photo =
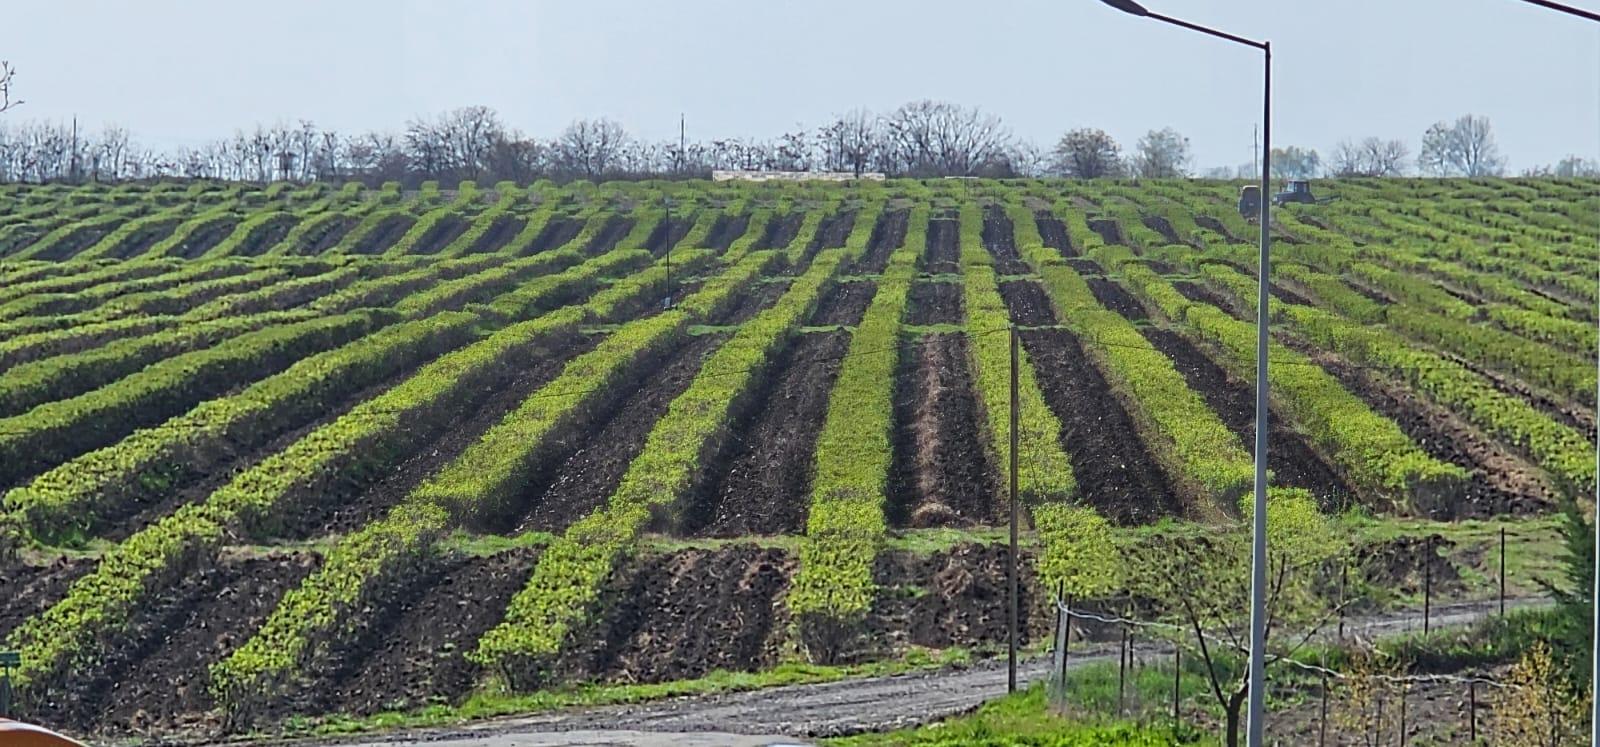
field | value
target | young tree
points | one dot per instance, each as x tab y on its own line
1204	585
1295	162
1162	154
1088	153
1465	148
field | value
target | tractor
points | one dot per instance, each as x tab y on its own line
1294	190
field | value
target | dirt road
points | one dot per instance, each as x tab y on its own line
821	710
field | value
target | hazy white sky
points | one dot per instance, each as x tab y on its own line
178	72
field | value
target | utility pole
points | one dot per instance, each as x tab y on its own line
73	176
683	142
1011	557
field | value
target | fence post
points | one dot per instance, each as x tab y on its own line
1177	687
1502	571
1322	722
1427	586
1122	668
1066	640
1405	687
1344	577
1472	709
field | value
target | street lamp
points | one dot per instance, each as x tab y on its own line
1594	592
1258	552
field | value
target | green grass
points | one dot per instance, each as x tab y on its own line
1025	719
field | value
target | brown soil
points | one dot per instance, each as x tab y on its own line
265	237
383	236
203	240
1055	235
1292	460
1437	712
1028	303
1371	294
198	621
781	231
666	235
1201	294
688	613
726	230
1000	240
586	478
939	474
1499	483
32	588
831	232
952	598
943	253
415	654
934	303
1289	295
1086	267
1208	222
448	229
888	234
1161	225
1113	296
143	239
1116	474
449	436
330	236
499	234
845	305
552	235
608	236
763	294
77	241
1109	229
1402	565
766	485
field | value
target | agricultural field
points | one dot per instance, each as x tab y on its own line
279	453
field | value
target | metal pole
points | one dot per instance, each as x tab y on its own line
1011	558
1404	688
1122	669
1258	552
1177	687
1344	577
667	201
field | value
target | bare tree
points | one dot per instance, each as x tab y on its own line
1162	154
7	72
933	138
1571	167
1370	157
852	142
589	147
1088	154
1465	148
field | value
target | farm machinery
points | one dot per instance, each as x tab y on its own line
1294	190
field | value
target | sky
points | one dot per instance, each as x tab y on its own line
179	72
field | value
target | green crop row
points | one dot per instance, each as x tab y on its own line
145	468
1044	475
51	242
1559	449
560	596
1192	444
55	304
322	609
248	232
90	275
1370	448
178	243
59	430
507	194
111	245
846	524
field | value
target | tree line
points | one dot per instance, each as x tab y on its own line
918	139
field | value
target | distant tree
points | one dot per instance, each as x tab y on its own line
1370	157
1295	162
7	72
1088	154
1571	167
1218	172
1465	148
852	142
1162	154
935	138
590	147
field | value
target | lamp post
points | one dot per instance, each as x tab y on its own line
1258	551
1594	592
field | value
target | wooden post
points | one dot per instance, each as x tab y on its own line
1472	709
1427	587
1177	687
1322	721
1011	558
1122	668
1502	571
1344	578
1404	688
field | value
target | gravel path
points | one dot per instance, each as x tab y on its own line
814	711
